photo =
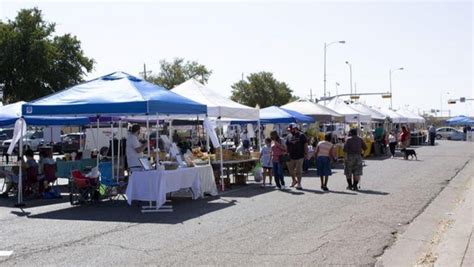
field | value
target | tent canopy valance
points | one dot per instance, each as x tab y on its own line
11	112
314	110
115	93
217	105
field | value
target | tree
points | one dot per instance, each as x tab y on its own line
33	63
262	89
177	72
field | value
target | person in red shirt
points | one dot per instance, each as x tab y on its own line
404	137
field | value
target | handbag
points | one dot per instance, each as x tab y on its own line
284	158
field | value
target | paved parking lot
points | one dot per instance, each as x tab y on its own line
249	225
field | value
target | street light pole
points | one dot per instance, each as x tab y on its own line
325	48
390	79
441	107
350	74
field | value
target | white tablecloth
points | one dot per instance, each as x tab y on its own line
153	185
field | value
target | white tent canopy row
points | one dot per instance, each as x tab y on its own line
402	116
374	113
351	115
314	110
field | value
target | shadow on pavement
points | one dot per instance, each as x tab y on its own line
120	211
372	192
341	192
31	203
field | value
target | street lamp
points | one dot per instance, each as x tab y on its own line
337	85
325	48
390	78
350	73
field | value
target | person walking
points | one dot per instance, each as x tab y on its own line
266	161
392	142
278	149
297	145
324	153
353	163
432	134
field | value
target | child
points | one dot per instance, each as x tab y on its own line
266	160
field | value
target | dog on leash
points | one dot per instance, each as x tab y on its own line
409	152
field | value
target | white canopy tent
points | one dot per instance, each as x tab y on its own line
411	117
374	113
393	115
217	105
314	110
351	115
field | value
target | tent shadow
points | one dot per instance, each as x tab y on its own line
248	191
31	203
119	211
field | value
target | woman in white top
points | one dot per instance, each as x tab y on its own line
134	149
324	152
266	160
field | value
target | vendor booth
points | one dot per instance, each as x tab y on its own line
221	111
118	94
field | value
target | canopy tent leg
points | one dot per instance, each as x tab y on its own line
112	144
221	157
157	149
20	171
119	148
97	141
148	134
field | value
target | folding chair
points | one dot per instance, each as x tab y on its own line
112	187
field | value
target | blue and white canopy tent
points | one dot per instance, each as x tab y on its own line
274	114
117	93
460	120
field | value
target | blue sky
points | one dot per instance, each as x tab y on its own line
431	40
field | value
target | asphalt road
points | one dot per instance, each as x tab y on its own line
247	226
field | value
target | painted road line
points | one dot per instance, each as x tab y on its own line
5	253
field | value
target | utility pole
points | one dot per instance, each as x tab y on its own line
311	95
144	73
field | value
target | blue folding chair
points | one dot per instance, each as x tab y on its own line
111	186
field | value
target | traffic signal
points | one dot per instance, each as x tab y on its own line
355	97
462	99
387	96
451	101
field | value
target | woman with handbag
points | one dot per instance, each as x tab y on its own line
278	149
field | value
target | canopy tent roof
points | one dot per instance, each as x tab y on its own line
350	114
410	116
274	114
217	105
10	113
115	93
314	110
393	115
460	120
374	113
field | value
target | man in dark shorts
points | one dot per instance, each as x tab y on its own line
297	145
353	164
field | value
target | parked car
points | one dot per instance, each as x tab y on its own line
71	142
31	140
449	133
6	134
